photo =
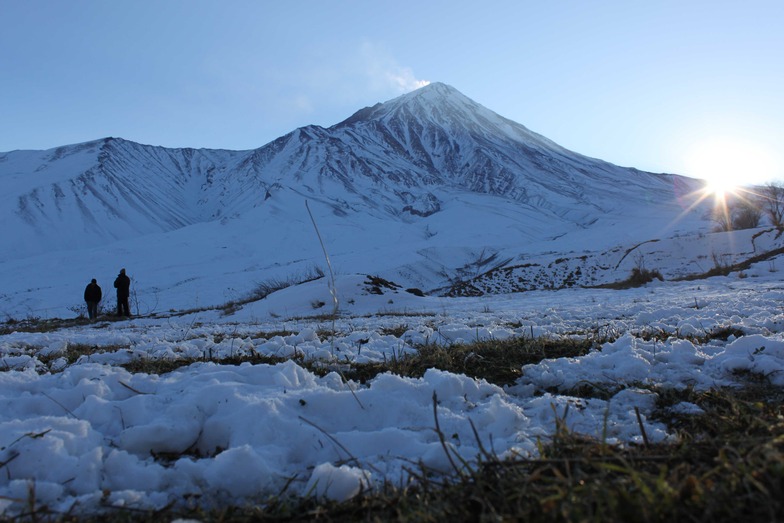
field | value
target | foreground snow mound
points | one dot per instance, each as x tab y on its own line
224	432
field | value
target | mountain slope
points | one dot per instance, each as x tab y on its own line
112	189
452	140
388	160
425	188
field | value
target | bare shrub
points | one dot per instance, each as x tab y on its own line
771	200
737	213
746	215
642	276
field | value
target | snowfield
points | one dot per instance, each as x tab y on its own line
88	435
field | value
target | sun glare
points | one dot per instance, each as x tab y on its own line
726	164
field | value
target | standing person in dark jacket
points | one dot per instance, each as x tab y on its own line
123	285
92	295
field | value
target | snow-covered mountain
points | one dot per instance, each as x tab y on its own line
425	188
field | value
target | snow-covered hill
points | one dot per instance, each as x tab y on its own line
425	189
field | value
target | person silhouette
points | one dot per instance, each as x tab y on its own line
92	296
123	285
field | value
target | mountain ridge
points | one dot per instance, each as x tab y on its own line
432	136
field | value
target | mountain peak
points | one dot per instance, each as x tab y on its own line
433	95
435	88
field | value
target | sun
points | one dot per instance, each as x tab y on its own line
727	164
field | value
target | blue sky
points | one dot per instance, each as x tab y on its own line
664	86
